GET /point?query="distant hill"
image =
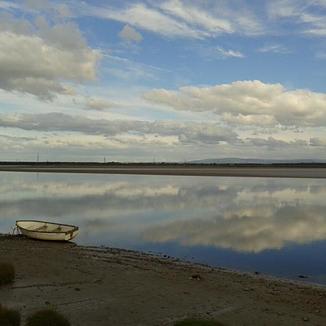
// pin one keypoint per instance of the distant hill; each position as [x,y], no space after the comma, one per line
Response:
[233,160]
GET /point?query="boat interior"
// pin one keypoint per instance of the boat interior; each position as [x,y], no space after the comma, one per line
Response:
[38,226]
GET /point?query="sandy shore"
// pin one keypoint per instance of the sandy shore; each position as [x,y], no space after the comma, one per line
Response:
[98,286]
[257,171]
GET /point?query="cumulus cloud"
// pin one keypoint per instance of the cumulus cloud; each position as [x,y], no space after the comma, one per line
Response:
[247,101]
[273,143]
[10,24]
[249,119]
[128,33]
[185,133]
[38,59]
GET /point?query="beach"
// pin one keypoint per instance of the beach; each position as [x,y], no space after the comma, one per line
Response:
[106,286]
[182,170]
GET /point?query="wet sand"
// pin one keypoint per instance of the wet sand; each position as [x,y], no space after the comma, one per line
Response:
[102,286]
[255,171]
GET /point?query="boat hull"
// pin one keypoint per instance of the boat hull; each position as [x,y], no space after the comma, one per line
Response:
[48,231]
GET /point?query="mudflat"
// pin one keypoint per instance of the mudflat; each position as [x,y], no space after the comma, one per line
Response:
[238,171]
[103,286]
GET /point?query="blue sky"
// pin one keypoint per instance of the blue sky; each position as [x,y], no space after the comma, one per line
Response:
[170,79]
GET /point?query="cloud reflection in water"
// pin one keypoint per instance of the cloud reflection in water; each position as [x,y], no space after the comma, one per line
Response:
[242,214]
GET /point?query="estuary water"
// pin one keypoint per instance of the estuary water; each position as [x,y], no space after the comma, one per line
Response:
[268,225]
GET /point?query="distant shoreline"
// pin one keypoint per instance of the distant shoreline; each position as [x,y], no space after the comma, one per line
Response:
[304,170]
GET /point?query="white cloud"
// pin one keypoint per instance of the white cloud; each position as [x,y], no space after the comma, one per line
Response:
[284,8]
[37,4]
[63,10]
[39,59]
[184,133]
[141,16]
[318,142]
[197,16]
[249,119]
[99,104]
[273,143]
[302,13]
[181,19]
[8,5]
[10,24]
[248,99]
[229,53]
[128,33]
[274,48]
[247,23]
[316,24]
[37,7]
[129,70]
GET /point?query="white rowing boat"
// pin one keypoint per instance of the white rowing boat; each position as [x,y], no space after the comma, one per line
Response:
[46,230]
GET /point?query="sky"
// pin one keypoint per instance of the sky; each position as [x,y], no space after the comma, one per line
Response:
[162,80]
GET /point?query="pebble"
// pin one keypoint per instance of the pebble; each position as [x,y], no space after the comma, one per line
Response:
[305,319]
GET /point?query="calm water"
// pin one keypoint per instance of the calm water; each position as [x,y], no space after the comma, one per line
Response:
[274,226]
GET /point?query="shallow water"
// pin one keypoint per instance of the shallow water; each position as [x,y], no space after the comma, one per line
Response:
[269,225]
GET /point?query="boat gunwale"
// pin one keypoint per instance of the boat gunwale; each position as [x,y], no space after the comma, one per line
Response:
[75,228]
